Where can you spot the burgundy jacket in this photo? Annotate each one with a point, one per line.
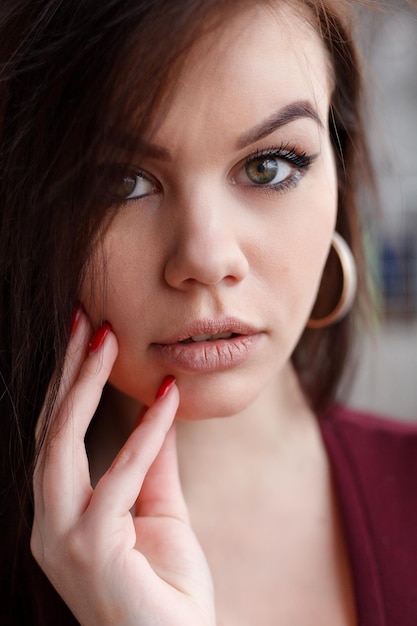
(374, 463)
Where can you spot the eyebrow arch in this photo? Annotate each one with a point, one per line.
(121, 140)
(153, 151)
(282, 117)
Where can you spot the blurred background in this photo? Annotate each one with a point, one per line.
(386, 370)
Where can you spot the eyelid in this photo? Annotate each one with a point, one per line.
(124, 170)
(287, 152)
(140, 175)
(298, 158)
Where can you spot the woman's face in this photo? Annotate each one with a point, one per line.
(213, 263)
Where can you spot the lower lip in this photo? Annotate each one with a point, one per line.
(207, 356)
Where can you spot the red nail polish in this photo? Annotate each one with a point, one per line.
(165, 387)
(76, 318)
(98, 339)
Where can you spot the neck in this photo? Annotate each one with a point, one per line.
(275, 428)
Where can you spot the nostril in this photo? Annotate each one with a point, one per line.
(206, 255)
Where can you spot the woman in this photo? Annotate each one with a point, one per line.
(180, 170)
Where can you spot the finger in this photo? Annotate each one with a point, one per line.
(66, 487)
(74, 358)
(76, 355)
(161, 492)
(117, 491)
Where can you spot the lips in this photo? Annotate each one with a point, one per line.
(210, 327)
(208, 345)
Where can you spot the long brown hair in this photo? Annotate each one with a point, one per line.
(71, 74)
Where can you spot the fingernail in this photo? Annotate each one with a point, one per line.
(76, 318)
(165, 387)
(98, 339)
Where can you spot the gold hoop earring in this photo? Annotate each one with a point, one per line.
(350, 282)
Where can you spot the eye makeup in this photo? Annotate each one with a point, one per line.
(276, 169)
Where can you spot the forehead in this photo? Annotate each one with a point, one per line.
(260, 59)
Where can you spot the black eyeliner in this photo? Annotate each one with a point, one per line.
(286, 152)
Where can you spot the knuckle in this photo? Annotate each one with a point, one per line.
(75, 551)
(78, 551)
(89, 371)
(130, 457)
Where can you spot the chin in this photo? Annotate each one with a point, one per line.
(192, 412)
(199, 405)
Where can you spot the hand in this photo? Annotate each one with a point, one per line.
(109, 566)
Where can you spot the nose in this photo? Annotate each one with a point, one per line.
(206, 247)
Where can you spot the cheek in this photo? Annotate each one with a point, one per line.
(116, 273)
(93, 294)
(114, 290)
(286, 243)
(297, 248)
(124, 293)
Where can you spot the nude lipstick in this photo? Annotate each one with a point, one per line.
(208, 345)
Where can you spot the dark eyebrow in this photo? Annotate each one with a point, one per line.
(121, 141)
(282, 117)
(289, 113)
(153, 151)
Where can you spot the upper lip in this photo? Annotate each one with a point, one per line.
(211, 327)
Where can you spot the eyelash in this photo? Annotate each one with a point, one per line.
(300, 160)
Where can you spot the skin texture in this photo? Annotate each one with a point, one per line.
(209, 245)
(204, 243)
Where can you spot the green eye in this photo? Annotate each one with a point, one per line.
(266, 170)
